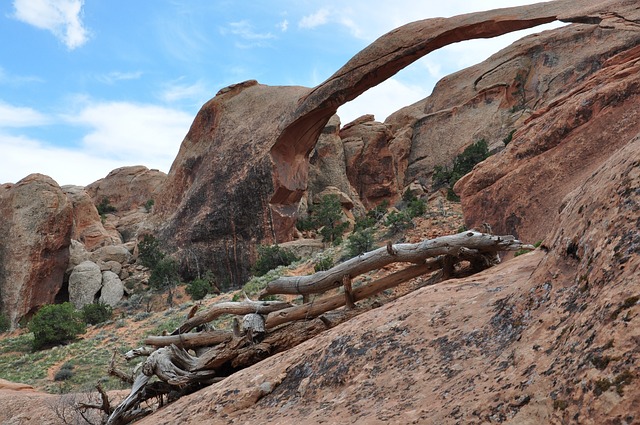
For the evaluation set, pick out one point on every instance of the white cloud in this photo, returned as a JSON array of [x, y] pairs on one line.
[[246, 32], [23, 156], [119, 134], [314, 20], [18, 116], [61, 17], [283, 26], [6, 78], [126, 130], [382, 100], [115, 76]]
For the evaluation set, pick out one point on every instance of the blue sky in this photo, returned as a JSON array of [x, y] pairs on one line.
[[89, 86]]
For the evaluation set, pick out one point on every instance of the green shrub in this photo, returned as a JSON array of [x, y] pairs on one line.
[[198, 288], [65, 372], [305, 224], [149, 204], [462, 164], [509, 137], [56, 324], [96, 313], [5, 323], [379, 211], [104, 207], [360, 242], [327, 218], [164, 275], [270, 257], [416, 208], [364, 223], [397, 221], [324, 263], [149, 253]]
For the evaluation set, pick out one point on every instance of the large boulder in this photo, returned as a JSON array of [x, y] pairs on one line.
[[112, 289], [87, 224], [84, 283], [35, 233], [242, 169], [127, 188], [118, 253]]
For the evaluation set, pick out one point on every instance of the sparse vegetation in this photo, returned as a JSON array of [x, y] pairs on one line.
[[462, 164], [5, 323], [105, 207], [149, 253], [149, 205], [65, 372], [270, 257], [96, 313], [398, 221], [198, 288], [325, 217], [164, 275], [360, 242], [324, 263], [56, 324]]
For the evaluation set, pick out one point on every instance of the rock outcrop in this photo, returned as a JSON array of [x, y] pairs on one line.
[[564, 141], [259, 166], [35, 234], [87, 225], [127, 188], [371, 166]]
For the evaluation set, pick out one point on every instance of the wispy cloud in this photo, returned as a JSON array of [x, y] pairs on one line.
[[283, 26], [115, 76], [176, 90], [60, 17], [7, 78], [247, 33], [18, 116], [314, 20]]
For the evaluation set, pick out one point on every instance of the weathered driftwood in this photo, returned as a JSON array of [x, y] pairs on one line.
[[409, 253], [193, 340], [243, 307], [318, 307]]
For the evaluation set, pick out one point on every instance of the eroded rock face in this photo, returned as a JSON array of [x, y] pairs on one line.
[[127, 188], [87, 225], [370, 161], [563, 142], [35, 233]]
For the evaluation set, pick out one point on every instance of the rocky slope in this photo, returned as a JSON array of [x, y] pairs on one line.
[[548, 337]]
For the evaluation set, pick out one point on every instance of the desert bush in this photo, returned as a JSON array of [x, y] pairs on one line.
[[65, 372], [96, 313], [270, 257], [462, 164], [415, 206], [5, 323], [198, 288], [324, 263], [164, 274], [149, 253], [327, 218], [56, 324], [105, 207], [398, 220], [149, 204], [360, 242]]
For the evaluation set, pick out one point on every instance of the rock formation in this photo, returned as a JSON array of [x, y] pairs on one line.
[[35, 233], [127, 188], [237, 182], [561, 143], [84, 283], [87, 225]]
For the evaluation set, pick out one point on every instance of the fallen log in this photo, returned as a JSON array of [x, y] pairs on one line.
[[409, 253], [241, 308], [200, 339], [318, 307]]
